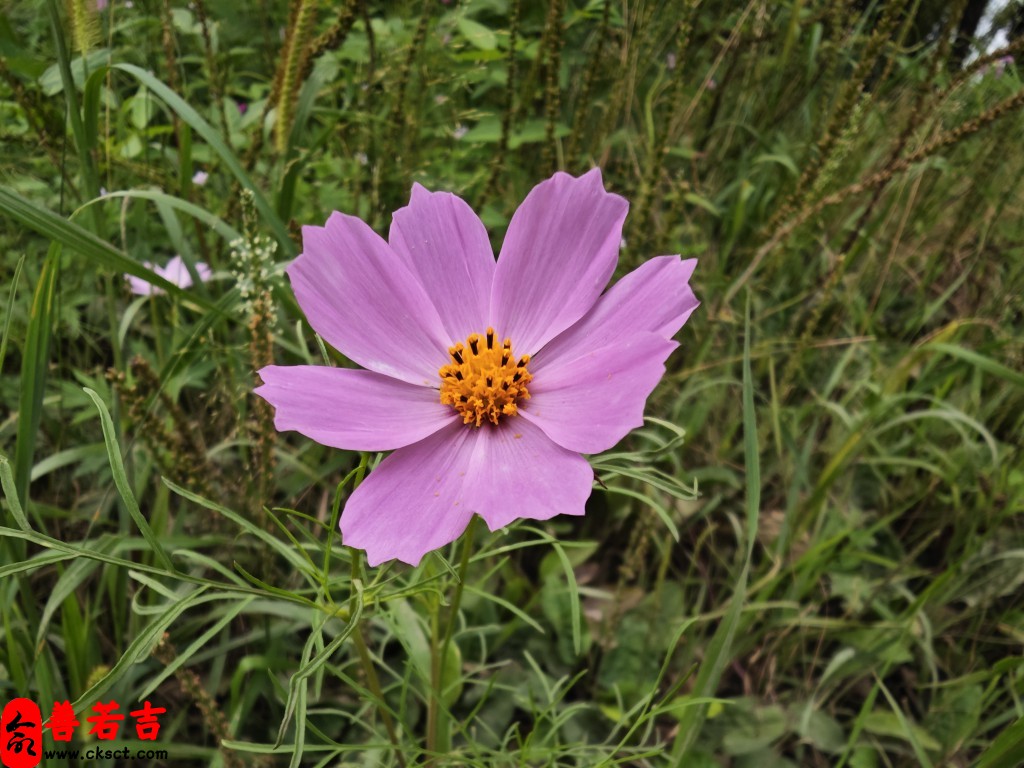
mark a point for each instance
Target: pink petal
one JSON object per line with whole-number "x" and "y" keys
{"x": 445, "y": 245}
{"x": 589, "y": 403}
{"x": 354, "y": 410}
{"x": 365, "y": 302}
{"x": 656, "y": 297}
{"x": 176, "y": 272}
{"x": 412, "y": 503}
{"x": 140, "y": 286}
{"x": 422, "y": 497}
{"x": 520, "y": 473}
{"x": 204, "y": 271}
{"x": 558, "y": 255}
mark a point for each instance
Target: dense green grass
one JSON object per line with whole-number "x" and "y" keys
{"x": 812, "y": 553}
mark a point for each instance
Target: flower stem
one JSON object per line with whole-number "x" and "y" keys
{"x": 453, "y": 612}
{"x": 371, "y": 673}
{"x": 436, "y": 738}
{"x": 360, "y": 642}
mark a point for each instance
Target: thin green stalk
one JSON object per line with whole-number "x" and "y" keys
{"x": 453, "y": 613}
{"x": 157, "y": 340}
{"x": 593, "y": 66}
{"x": 357, "y": 637}
{"x": 10, "y": 309}
{"x": 434, "y": 695}
{"x": 371, "y": 672}
{"x": 508, "y": 114}
{"x": 33, "y": 371}
{"x": 90, "y": 179}
{"x": 552, "y": 87}
{"x": 439, "y": 653}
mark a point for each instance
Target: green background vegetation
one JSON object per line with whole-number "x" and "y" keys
{"x": 825, "y": 570}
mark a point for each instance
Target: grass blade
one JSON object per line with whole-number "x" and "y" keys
{"x": 718, "y": 653}
{"x": 33, "y": 372}
{"x": 10, "y": 309}
{"x": 214, "y": 139}
{"x": 1007, "y": 751}
{"x": 123, "y": 486}
{"x": 100, "y": 253}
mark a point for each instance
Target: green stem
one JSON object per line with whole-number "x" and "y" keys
{"x": 154, "y": 316}
{"x": 360, "y": 642}
{"x": 453, "y": 613}
{"x": 435, "y": 737}
{"x": 371, "y": 672}
{"x": 434, "y": 695}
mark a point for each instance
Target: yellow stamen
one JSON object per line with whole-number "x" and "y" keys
{"x": 483, "y": 380}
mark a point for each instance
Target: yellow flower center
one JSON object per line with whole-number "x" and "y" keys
{"x": 484, "y": 380}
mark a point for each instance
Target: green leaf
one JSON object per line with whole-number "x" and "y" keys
{"x": 100, "y": 253}
{"x": 33, "y": 371}
{"x": 487, "y": 131}
{"x": 477, "y": 34}
{"x": 187, "y": 113}
{"x": 891, "y": 724}
{"x": 784, "y": 160}
{"x": 141, "y": 109}
{"x": 11, "y": 493}
{"x": 820, "y": 729}
{"x": 980, "y": 361}
{"x": 720, "y": 647}
{"x": 10, "y": 309}
{"x": 699, "y": 200}
{"x": 761, "y": 728}
{"x": 50, "y": 81}
{"x": 1007, "y": 751}
{"x": 123, "y": 486}
{"x": 142, "y": 646}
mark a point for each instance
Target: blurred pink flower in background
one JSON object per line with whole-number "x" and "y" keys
{"x": 175, "y": 272}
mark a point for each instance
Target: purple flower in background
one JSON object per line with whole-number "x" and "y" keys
{"x": 487, "y": 379}
{"x": 175, "y": 272}
{"x": 101, "y": 5}
{"x": 242, "y": 107}
{"x": 199, "y": 178}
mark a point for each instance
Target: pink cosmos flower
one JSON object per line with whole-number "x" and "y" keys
{"x": 487, "y": 379}
{"x": 175, "y": 271}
